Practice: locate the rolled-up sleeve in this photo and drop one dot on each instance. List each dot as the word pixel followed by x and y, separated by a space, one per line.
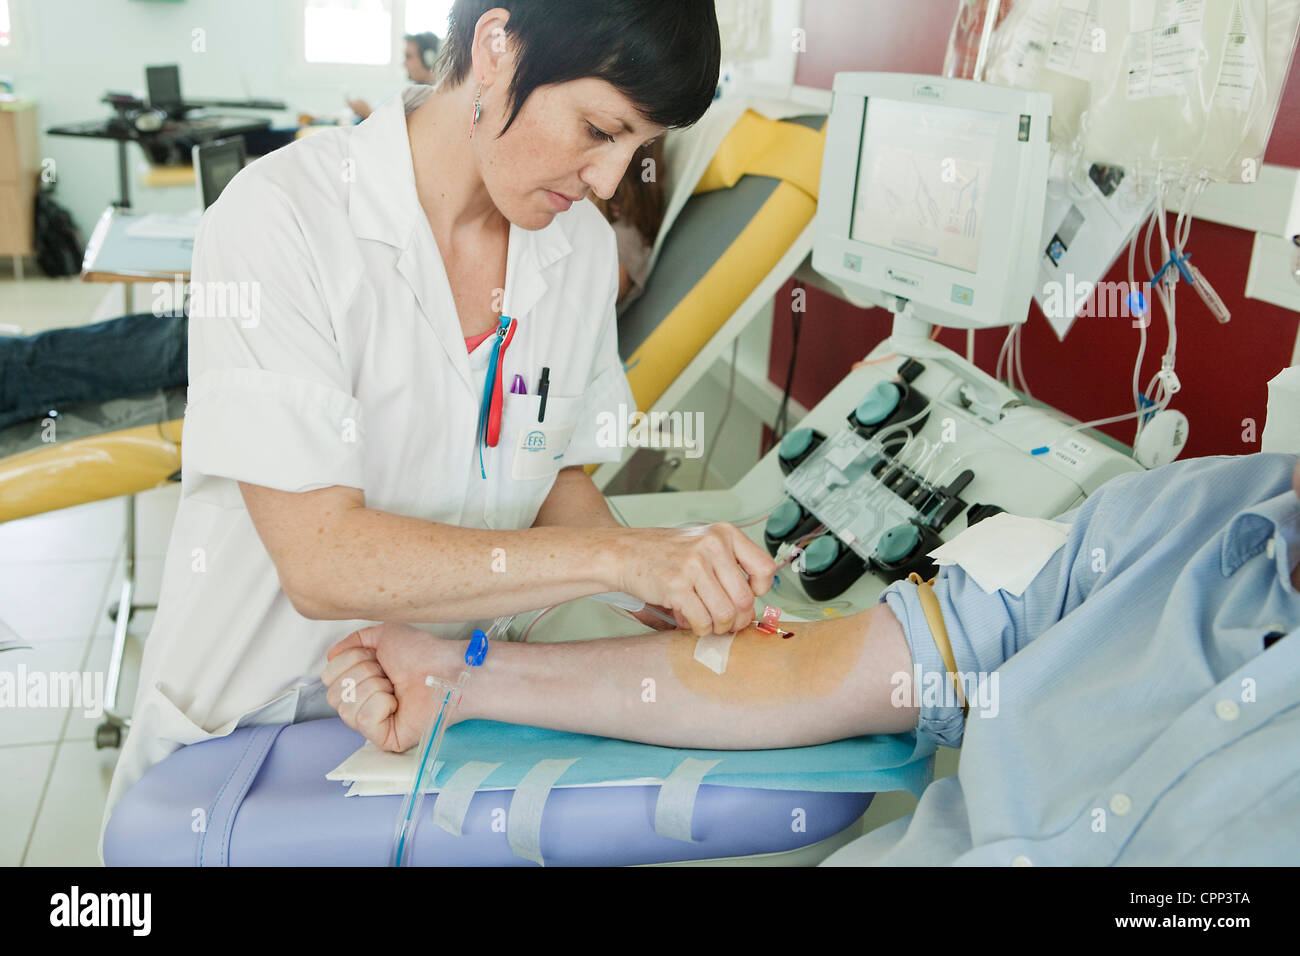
pixel 596 436
pixel 985 630
pixel 270 402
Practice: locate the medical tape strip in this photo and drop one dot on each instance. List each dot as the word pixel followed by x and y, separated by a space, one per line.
pixel 675 807
pixel 524 820
pixel 214 843
pixel 712 650
pixel 454 797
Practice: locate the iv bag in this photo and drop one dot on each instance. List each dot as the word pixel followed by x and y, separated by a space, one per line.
pixel 1188 88
pixel 1050 45
pixel 1154 83
pixel 1256 60
pixel 1168 89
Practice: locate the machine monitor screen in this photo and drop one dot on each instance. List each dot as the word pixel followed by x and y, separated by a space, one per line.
pixel 923 176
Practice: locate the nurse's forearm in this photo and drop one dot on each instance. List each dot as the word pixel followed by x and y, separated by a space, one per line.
pixel 831 680
pixel 381 566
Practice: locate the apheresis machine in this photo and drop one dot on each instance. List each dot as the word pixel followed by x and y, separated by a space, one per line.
pixel 932 199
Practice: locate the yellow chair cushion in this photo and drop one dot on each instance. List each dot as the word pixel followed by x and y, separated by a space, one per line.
pixel 759 146
pixel 89 469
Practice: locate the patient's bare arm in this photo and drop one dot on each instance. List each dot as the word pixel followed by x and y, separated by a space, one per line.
pixel 832 679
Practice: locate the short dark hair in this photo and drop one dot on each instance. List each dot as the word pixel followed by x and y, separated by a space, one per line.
pixel 663 55
pixel 427 44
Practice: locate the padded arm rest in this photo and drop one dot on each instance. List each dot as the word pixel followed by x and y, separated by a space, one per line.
pixel 260 798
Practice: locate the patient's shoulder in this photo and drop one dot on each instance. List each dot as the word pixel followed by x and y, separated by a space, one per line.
pixel 1185 502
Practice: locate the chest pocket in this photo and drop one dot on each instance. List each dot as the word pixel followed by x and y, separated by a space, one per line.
pixel 527 458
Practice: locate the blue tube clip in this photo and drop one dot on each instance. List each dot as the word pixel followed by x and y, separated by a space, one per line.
pixel 477 649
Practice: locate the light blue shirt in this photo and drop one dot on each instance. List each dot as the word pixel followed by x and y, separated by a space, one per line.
pixel 1136 718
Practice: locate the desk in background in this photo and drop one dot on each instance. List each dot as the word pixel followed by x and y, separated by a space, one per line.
pixel 112 255
pixel 169 176
pixel 123 132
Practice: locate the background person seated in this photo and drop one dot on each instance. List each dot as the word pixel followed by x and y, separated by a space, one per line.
pixel 421 54
pixel 91 363
pixel 1137 703
pixel 636 211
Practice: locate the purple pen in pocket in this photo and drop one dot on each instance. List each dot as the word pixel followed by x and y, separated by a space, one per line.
pixel 518 387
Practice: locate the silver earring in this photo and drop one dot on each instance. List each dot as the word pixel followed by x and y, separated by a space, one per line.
pixel 478 110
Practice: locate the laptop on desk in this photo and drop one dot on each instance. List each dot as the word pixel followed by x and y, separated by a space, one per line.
pixel 164 85
pixel 215 165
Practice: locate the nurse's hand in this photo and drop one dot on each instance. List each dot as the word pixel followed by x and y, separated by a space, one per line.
pixel 376 677
pixel 707 576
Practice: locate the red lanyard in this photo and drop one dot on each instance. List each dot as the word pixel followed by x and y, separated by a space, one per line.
pixel 489 418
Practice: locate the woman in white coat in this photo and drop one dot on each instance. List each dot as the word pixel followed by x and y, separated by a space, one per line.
pixel 350 456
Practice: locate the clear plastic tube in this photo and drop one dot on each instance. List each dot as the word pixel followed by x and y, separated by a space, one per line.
pixel 446 697
pixel 633 605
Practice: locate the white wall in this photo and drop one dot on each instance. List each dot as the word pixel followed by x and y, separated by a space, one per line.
pixel 75 50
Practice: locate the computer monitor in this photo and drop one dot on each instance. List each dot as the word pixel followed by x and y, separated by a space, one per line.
pixel 164 86
pixel 215 165
pixel 932 194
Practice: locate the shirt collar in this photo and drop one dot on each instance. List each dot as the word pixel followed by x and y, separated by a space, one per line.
pixel 383 204
pixel 1249 531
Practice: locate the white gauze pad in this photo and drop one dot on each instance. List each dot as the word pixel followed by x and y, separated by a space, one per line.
pixel 712 650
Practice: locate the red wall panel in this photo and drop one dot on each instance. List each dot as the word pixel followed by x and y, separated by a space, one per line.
pixel 1223 368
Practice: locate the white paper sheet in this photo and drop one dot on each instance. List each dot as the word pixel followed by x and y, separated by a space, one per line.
pixel 1004 552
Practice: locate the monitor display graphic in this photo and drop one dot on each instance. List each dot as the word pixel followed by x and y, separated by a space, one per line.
pixel 923 180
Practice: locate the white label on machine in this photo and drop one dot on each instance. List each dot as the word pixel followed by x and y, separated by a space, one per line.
pixel 1071 453
pixel 1164 46
pixel 1240 66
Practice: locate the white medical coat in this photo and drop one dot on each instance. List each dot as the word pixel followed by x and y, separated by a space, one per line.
pixel 325 349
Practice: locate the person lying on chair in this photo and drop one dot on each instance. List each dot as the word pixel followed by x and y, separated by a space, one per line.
pixel 1144 685
pixel 116 358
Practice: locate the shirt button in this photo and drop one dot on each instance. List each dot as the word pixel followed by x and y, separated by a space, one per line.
pixel 1271 548
pixel 1022 861
pixel 1120 804
pixel 1227 709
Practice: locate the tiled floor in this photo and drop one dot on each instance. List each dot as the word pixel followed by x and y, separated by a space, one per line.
pixel 36 303
pixel 59 574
